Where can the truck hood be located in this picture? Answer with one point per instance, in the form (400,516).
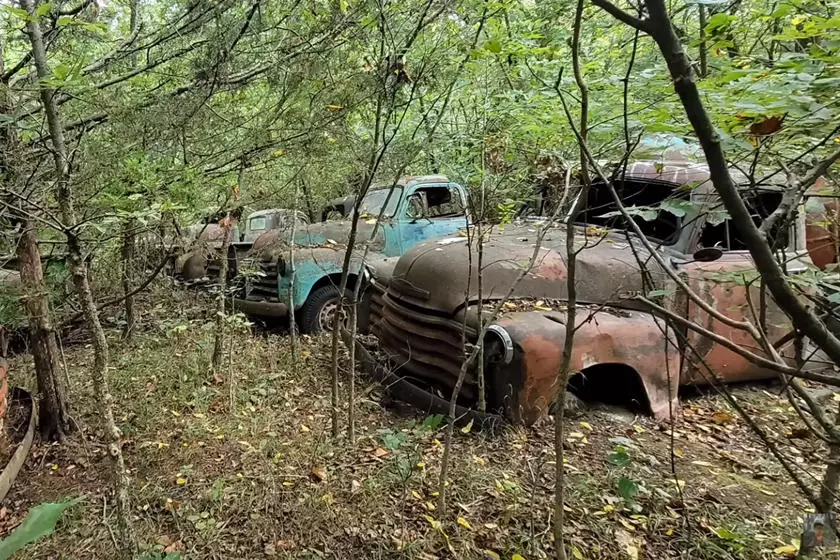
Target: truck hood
(435,274)
(332,234)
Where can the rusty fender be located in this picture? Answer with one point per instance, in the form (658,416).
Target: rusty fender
(524,352)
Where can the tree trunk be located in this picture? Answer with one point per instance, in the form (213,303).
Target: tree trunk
(128,243)
(219,342)
(831,479)
(571,305)
(128,240)
(81,281)
(704,63)
(53,417)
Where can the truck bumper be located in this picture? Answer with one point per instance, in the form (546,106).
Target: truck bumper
(261,308)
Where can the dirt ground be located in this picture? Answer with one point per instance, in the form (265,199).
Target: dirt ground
(265,480)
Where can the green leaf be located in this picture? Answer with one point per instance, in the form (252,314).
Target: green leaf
(619,457)
(494,46)
(39,523)
(44,9)
(678,208)
(627,488)
(432,422)
(18,12)
(655,294)
(726,534)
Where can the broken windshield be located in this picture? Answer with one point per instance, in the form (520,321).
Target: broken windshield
(375,200)
(643,201)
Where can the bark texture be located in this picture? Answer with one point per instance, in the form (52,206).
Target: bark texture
(53,415)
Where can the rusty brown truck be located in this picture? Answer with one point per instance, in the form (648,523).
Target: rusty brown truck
(620,347)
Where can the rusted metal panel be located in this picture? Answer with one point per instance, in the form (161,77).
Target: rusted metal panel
(606,336)
(426,347)
(724,284)
(605,274)
(822,230)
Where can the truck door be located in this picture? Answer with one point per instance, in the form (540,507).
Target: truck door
(430,211)
(732,285)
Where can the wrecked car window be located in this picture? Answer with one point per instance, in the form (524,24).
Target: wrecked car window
(721,232)
(642,200)
(442,202)
(375,200)
(257,224)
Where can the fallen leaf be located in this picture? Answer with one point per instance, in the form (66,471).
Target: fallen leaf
(788,550)
(464,523)
(516,557)
(177,546)
(180,481)
(380,452)
(355,486)
(285,545)
(466,429)
(319,473)
(628,543)
(164,540)
(722,417)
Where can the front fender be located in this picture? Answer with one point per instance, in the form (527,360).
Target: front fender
(313,264)
(525,385)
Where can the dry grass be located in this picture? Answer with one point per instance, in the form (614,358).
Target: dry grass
(266,481)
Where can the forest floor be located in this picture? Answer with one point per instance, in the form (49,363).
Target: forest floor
(265,479)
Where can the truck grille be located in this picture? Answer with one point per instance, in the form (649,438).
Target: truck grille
(420,345)
(263,287)
(377,302)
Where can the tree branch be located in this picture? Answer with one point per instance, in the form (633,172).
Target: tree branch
(621,15)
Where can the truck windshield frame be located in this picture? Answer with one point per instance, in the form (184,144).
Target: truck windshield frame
(374,201)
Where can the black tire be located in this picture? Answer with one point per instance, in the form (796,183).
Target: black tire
(310,312)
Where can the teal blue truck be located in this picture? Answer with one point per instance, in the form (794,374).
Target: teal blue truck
(415,209)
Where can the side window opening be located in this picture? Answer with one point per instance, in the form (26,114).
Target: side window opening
(727,234)
(257,224)
(642,199)
(442,202)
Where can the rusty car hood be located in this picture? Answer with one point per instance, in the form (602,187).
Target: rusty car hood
(331,234)
(434,275)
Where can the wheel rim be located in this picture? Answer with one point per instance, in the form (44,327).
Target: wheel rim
(326,316)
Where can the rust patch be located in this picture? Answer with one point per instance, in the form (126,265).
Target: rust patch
(719,284)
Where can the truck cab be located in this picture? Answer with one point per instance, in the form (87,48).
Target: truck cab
(412,210)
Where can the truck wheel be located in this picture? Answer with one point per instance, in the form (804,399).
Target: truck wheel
(320,308)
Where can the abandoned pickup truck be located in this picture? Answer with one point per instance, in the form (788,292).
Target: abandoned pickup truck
(203,259)
(416,209)
(620,347)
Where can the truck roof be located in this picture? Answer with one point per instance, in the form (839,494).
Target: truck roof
(681,172)
(270,211)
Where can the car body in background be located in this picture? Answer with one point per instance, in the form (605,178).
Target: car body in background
(415,209)
(203,259)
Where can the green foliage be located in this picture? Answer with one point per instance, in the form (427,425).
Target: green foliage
(405,446)
(39,523)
